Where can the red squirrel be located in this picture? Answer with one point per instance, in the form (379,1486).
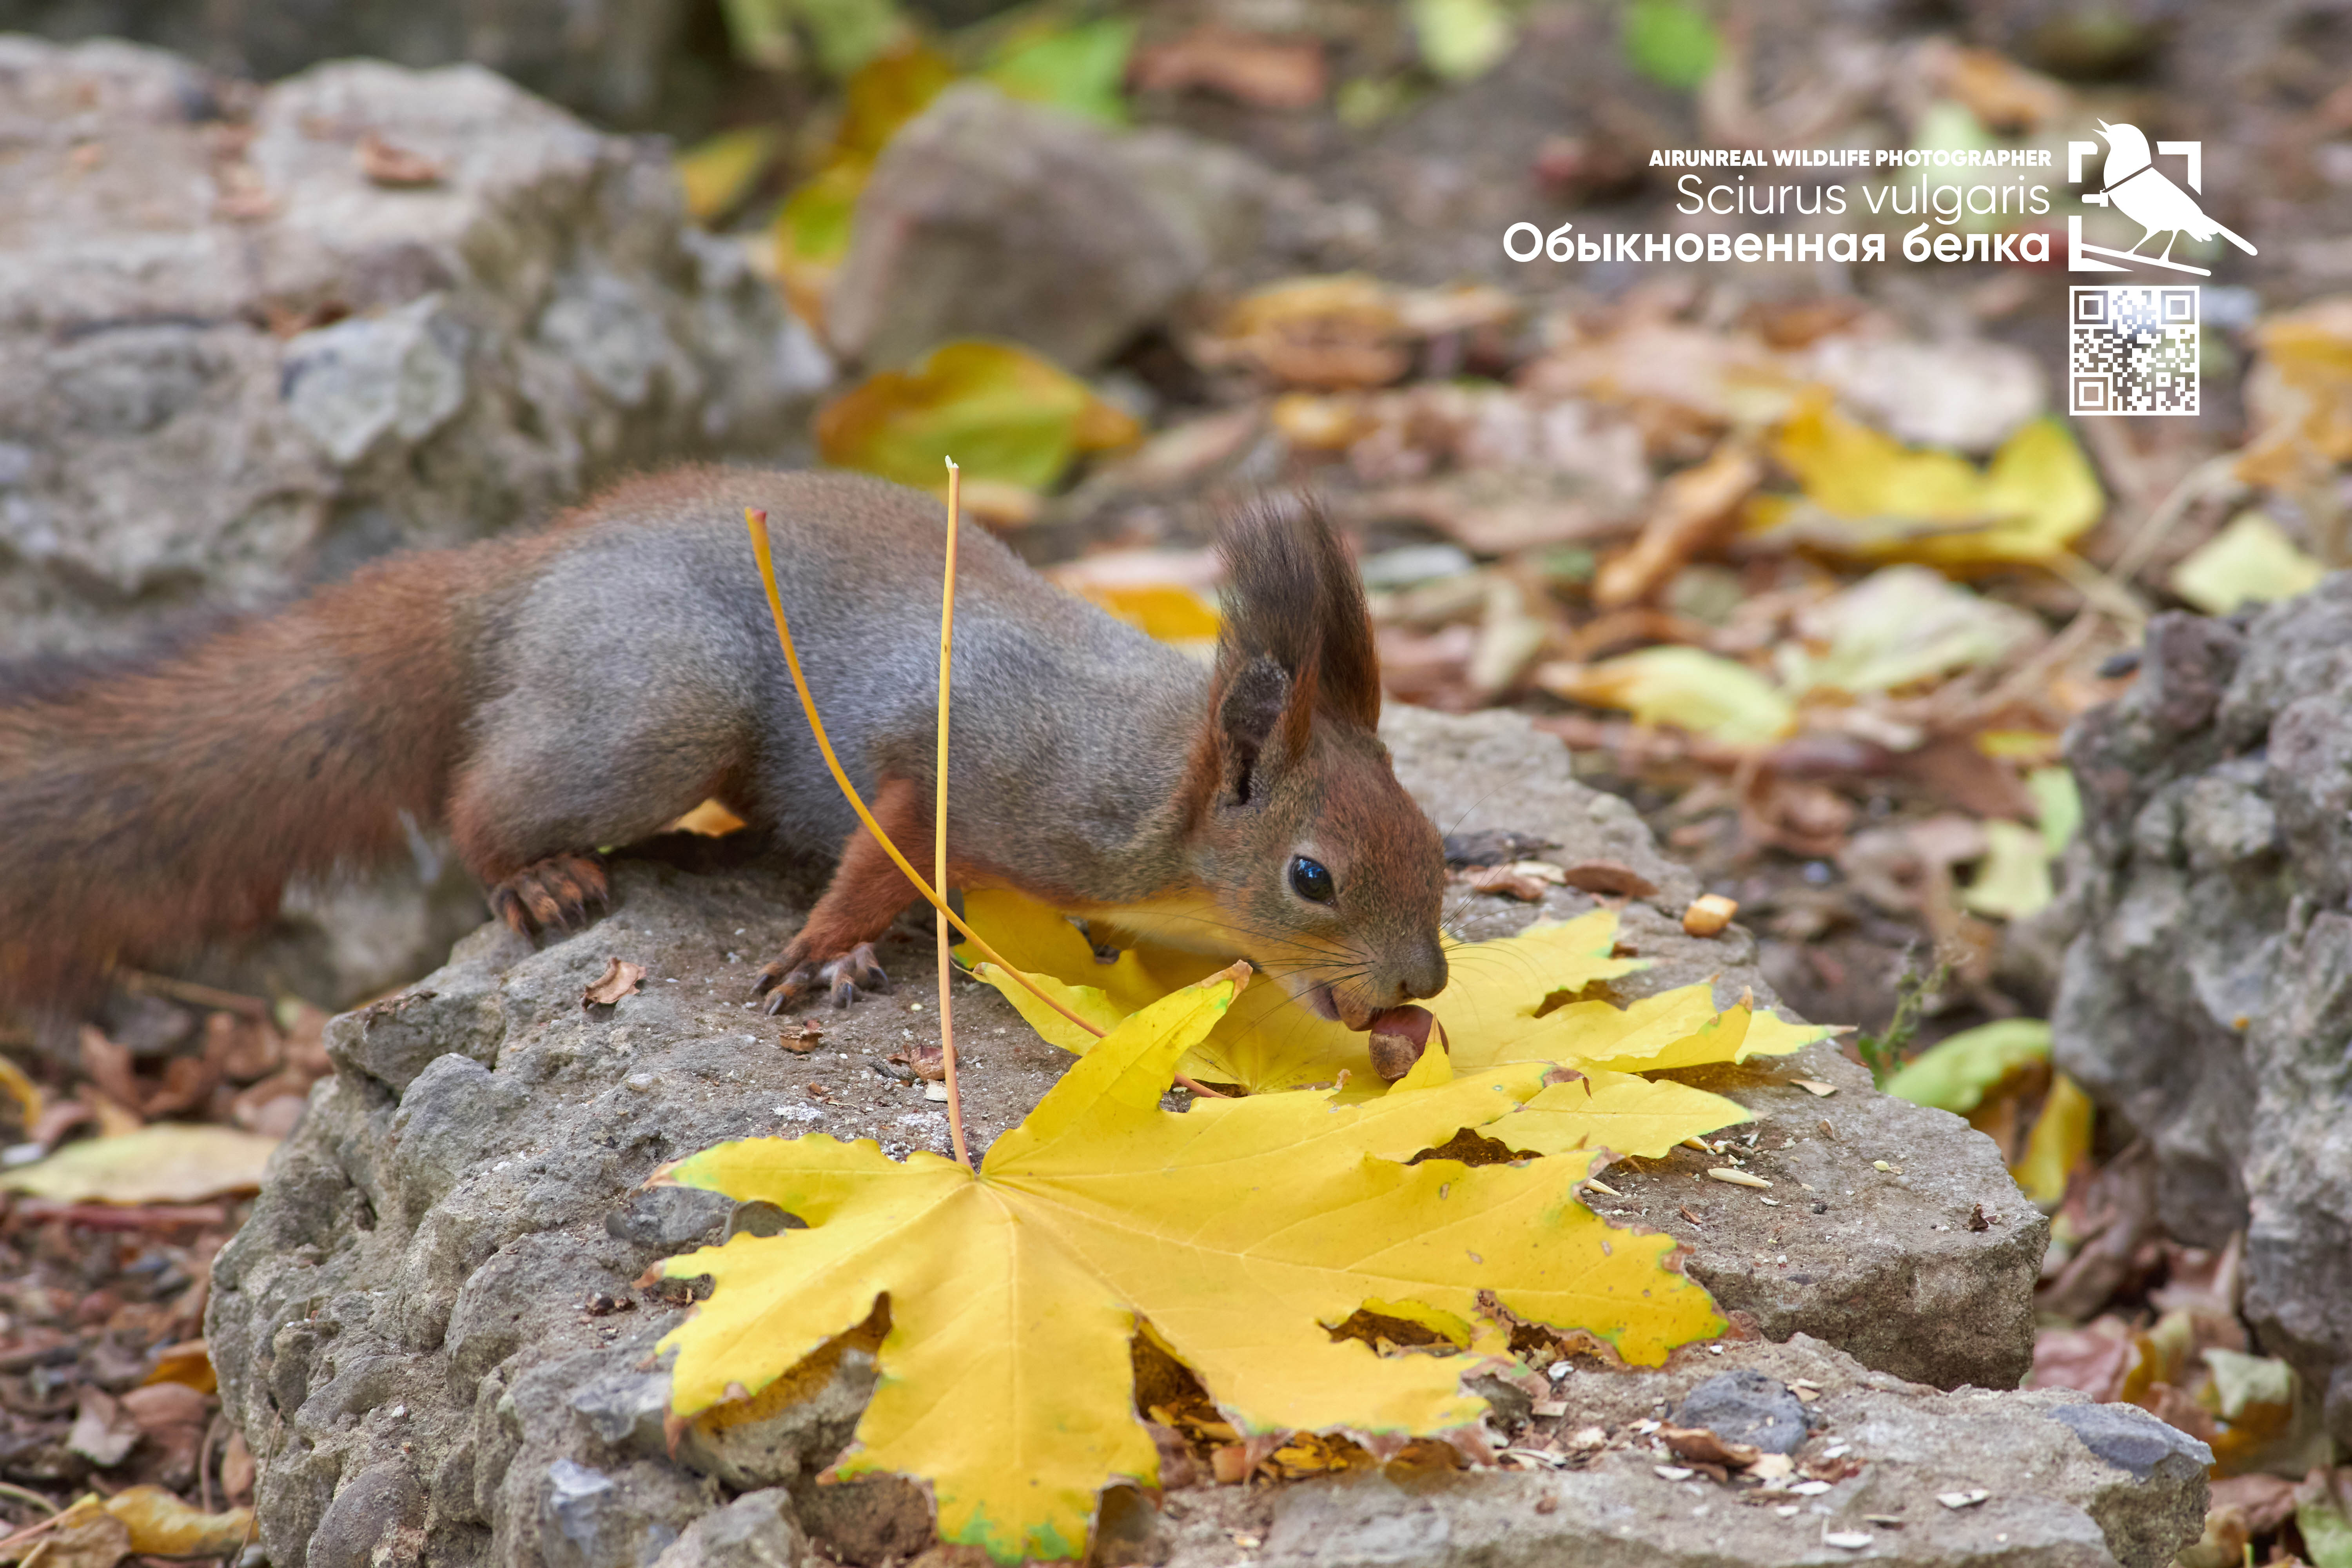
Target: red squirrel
(543,694)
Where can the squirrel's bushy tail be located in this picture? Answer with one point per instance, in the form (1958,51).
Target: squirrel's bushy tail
(147,806)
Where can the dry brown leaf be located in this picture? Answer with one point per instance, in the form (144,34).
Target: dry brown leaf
(1505,880)
(621,978)
(173,1419)
(1700,1446)
(1332,333)
(83,1536)
(806,1038)
(103,1431)
(1708,914)
(272,1106)
(1694,507)
(1320,422)
(2094,1359)
(1256,68)
(238,1469)
(383,164)
(1631,629)
(2002,93)
(304,1028)
(929,1063)
(1795,814)
(1678,381)
(709,820)
(2265,1501)
(1607,876)
(1801,324)
(107,1065)
(188,1083)
(240,1047)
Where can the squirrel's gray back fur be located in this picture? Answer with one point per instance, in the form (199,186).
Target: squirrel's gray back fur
(651,612)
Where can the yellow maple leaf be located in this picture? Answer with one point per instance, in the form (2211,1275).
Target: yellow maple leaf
(1868,496)
(1010,418)
(1268,1042)
(1241,1232)
(1492,1008)
(168,1162)
(1689,688)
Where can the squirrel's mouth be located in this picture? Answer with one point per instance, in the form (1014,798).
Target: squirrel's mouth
(1409,1020)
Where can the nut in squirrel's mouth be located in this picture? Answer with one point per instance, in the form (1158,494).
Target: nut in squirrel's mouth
(1410,1021)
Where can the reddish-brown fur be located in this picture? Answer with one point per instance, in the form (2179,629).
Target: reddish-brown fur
(280,747)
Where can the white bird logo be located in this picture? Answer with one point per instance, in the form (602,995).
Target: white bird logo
(2136,188)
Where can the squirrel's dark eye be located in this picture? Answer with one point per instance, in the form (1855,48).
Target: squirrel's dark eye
(1310,881)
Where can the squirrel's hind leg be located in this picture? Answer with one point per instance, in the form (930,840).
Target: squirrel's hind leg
(529,809)
(552,894)
(833,952)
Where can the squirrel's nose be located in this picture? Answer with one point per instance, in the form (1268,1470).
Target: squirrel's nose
(1424,973)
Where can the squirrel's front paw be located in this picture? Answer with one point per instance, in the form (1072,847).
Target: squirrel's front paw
(786,981)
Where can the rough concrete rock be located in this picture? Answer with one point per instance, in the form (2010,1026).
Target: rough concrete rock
(2206,999)
(437,1281)
(611,58)
(231,364)
(2051,1502)
(991,217)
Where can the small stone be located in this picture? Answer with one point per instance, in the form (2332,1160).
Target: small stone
(1852,1540)
(2131,1439)
(1747,1407)
(1672,1472)
(1969,1499)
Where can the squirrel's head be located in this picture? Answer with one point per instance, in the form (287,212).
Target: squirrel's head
(1327,875)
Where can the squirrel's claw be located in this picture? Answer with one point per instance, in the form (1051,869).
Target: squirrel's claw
(784,983)
(553,894)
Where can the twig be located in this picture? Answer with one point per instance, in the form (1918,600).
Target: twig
(756,522)
(940,822)
(2101,590)
(37,1528)
(2109,592)
(25,1494)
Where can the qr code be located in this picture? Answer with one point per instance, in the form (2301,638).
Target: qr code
(2132,349)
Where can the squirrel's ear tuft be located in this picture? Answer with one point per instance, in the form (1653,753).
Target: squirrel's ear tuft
(1249,705)
(1292,596)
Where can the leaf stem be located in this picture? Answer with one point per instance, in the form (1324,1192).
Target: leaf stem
(940,822)
(756,522)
